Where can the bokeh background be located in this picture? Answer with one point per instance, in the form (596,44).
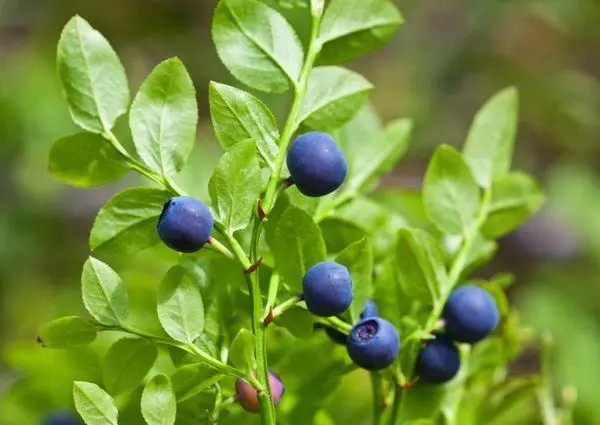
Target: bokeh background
(447,59)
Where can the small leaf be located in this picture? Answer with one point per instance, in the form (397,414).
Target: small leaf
(297,245)
(94,405)
(351,28)
(450,194)
(334,95)
(235,186)
(358,258)
(257,45)
(103,293)
(489,146)
(163,118)
(127,223)
(126,364)
(159,406)
(85,160)
(420,265)
(241,351)
(515,198)
(92,77)
(191,380)
(298,321)
(238,116)
(66,332)
(339,232)
(180,307)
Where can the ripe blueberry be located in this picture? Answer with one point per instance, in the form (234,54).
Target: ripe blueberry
(470,314)
(185,224)
(327,289)
(438,361)
(373,343)
(248,396)
(370,310)
(316,164)
(61,418)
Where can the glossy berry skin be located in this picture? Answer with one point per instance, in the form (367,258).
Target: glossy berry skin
(185,224)
(438,361)
(316,163)
(61,418)
(374,343)
(248,396)
(470,314)
(327,289)
(370,310)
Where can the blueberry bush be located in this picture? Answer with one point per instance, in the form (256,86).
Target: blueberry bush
(295,254)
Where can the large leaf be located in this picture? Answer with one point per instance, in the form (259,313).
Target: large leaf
(359,131)
(66,332)
(298,321)
(515,198)
(103,293)
(127,223)
(92,77)
(235,186)
(358,258)
(351,28)
(163,118)
(334,95)
(241,351)
(180,307)
(85,160)
(450,194)
(191,380)
(126,364)
(238,116)
(257,45)
(297,245)
(159,406)
(490,143)
(94,405)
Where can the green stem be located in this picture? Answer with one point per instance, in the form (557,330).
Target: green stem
(273,290)
(545,393)
(217,246)
(376,383)
(336,324)
(397,403)
(286,305)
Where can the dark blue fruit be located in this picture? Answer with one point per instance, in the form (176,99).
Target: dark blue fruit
(185,224)
(470,314)
(61,418)
(327,289)
(373,343)
(316,164)
(370,310)
(438,361)
(248,397)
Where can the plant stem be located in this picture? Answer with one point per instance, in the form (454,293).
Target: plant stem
(217,246)
(336,324)
(377,397)
(397,403)
(286,305)
(545,393)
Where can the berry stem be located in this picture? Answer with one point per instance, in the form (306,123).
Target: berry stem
(378,399)
(337,324)
(217,246)
(282,308)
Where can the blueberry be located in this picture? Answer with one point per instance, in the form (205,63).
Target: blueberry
(248,396)
(327,289)
(316,164)
(374,343)
(61,418)
(370,310)
(438,361)
(185,224)
(470,314)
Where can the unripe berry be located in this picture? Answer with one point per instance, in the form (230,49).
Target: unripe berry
(327,289)
(316,164)
(470,314)
(185,224)
(374,343)
(438,361)
(370,310)
(61,418)
(248,397)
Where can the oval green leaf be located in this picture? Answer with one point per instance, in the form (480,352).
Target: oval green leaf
(159,406)
(66,332)
(241,351)
(358,258)
(126,364)
(94,405)
(103,293)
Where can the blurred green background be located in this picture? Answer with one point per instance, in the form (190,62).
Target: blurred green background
(448,58)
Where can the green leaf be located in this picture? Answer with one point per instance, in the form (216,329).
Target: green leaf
(515,198)
(94,405)
(235,186)
(333,96)
(127,223)
(126,364)
(420,265)
(103,293)
(163,118)
(257,45)
(85,160)
(92,77)
(297,246)
(238,116)
(358,258)
(241,351)
(490,142)
(298,321)
(191,380)
(159,406)
(66,332)
(359,131)
(351,28)
(338,233)
(180,307)
(450,194)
